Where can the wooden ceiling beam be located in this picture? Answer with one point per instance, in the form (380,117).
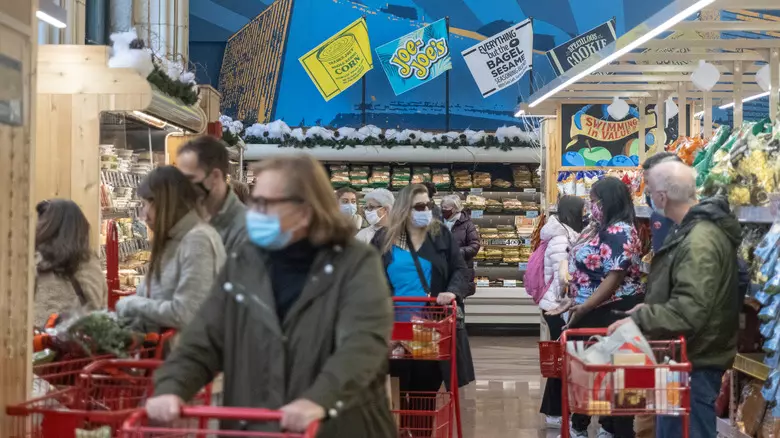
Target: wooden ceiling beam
(725,26)
(730,44)
(694,57)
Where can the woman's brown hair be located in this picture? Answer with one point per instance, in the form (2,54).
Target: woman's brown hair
(241,190)
(61,237)
(173,196)
(400,216)
(308,181)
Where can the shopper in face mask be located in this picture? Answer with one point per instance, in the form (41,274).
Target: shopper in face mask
(421,258)
(347,198)
(204,161)
(187,255)
(604,266)
(379,204)
(299,320)
(459,222)
(693,289)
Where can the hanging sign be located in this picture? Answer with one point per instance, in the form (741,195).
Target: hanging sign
(340,61)
(502,59)
(564,57)
(417,57)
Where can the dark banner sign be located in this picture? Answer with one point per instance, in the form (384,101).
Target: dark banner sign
(580,48)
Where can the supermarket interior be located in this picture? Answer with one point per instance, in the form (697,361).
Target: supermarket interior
(537,101)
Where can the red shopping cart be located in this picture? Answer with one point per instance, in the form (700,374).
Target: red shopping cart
(107,392)
(65,372)
(192,419)
(424,331)
(626,390)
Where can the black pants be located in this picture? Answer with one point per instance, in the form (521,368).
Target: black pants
(619,427)
(551,402)
(415,376)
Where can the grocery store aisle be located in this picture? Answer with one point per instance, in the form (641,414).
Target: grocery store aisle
(505,399)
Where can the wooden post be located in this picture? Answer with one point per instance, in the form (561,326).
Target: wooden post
(18,43)
(774,81)
(737,94)
(708,115)
(682,106)
(642,137)
(660,115)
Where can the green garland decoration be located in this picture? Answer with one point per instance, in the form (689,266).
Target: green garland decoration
(487,142)
(173,88)
(230,138)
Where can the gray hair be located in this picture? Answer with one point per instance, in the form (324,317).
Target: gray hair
(453,200)
(674,178)
(383,197)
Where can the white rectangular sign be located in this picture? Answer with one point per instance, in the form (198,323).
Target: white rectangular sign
(502,59)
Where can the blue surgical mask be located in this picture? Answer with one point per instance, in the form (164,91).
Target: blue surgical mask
(422,219)
(651,203)
(265,231)
(349,209)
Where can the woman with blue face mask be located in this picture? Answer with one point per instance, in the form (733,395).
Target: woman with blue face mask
(422,258)
(299,319)
(348,205)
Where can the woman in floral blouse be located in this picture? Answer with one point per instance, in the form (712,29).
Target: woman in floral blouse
(605,277)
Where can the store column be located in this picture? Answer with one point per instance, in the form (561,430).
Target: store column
(18,30)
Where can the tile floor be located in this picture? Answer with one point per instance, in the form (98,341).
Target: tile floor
(504,401)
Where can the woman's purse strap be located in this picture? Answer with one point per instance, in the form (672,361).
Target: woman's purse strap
(418,266)
(79,291)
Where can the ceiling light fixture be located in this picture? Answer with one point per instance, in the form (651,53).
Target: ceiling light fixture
(747,99)
(696,7)
(149,119)
(53,14)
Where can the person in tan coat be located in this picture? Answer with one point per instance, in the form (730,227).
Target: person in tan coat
(299,319)
(68,274)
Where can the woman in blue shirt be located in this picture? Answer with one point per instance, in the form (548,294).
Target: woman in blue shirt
(441,274)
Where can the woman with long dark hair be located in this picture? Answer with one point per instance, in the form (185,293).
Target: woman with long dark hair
(604,266)
(187,254)
(68,273)
(561,233)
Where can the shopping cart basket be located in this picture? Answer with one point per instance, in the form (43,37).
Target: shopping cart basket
(424,331)
(626,390)
(65,372)
(192,419)
(106,393)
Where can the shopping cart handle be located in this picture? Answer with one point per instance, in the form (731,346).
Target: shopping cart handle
(237,414)
(149,364)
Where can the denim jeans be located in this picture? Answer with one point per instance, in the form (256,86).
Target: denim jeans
(705,387)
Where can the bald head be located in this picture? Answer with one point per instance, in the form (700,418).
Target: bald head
(675,179)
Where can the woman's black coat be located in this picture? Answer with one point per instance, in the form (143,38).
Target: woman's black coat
(449,273)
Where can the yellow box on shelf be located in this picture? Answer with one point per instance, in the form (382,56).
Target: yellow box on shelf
(752,365)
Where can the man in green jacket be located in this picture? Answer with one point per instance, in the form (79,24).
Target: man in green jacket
(692,290)
(204,160)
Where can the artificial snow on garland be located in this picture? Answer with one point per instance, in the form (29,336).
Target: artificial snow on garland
(278,133)
(170,77)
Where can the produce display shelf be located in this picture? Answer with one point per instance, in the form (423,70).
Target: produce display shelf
(751,364)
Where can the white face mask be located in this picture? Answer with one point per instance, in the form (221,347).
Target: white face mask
(373,218)
(349,209)
(422,219)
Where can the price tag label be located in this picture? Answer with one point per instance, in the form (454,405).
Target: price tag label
(367,189)
(531,214)
(483,283)
(510,283)
(522,266)
(477,214)
(476,191)
(529,190)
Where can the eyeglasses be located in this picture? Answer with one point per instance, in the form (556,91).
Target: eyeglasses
(260,204)
(369,207)
(423,206)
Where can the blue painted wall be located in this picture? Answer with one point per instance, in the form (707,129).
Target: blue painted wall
(313,21)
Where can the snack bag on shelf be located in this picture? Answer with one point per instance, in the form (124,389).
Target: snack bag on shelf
(493,206)
(512,205)
(441,178)
(482,180)
(751,408)
(339,175)
(380,177)
(401,177)
(501,184)
(462,179)
(358,177)
(475,202)
(421,174)
(566,183)
(523,177)
(579,184)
